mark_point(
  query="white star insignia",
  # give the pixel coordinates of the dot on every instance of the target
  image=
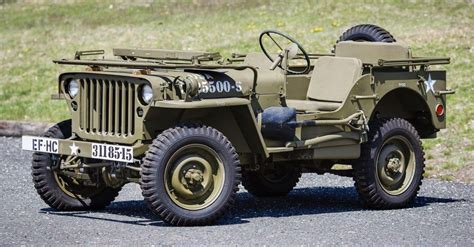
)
(74, 149)
(429, 84)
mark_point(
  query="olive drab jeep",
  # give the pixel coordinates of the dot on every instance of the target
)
(189, 127)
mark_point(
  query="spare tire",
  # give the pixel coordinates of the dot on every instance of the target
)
(367, 32)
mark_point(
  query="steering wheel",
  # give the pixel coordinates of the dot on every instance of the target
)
(288, 37)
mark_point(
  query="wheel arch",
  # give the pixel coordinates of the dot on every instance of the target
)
(408, 104)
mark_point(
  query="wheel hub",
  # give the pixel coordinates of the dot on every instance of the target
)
(393, 165)
(193, 177)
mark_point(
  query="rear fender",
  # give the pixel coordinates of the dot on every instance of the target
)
(375, 94)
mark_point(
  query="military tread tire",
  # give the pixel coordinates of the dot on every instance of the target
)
(368, 177)
(47, 186)
(367, 32)
(158, 161)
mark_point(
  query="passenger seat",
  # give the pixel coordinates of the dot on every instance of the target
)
(331, 82)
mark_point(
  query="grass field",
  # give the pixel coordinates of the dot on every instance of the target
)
(33, 33)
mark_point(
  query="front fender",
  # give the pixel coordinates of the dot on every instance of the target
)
(233, 117)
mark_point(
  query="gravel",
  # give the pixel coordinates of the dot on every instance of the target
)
(322, 210)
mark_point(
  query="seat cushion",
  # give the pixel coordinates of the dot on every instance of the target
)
(333, 78)
(312, 106)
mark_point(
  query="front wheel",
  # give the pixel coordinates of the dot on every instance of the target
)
(389, 171)
(190, 175)
(61, 191)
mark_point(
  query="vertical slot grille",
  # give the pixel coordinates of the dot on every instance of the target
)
(107, 107)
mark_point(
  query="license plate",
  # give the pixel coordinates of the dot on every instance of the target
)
(112, 152)
(97, 150)
(40, 144)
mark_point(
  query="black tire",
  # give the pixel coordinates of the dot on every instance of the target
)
(367, 32)
(163, 160)
(271, 182)
(47, 185)
(370, 172)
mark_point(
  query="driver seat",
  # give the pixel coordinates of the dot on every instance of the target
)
(331, 81)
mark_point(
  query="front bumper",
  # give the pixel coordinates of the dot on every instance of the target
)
(84, 149)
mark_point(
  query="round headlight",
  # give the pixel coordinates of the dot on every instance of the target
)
(73, 88)
(147, 94)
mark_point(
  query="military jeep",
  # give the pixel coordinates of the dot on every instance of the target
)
(189, 127)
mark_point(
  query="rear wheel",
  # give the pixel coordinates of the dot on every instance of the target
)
(389, 171)
(367, 32)
(60, 191)
(271, 180)
(190, 175)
